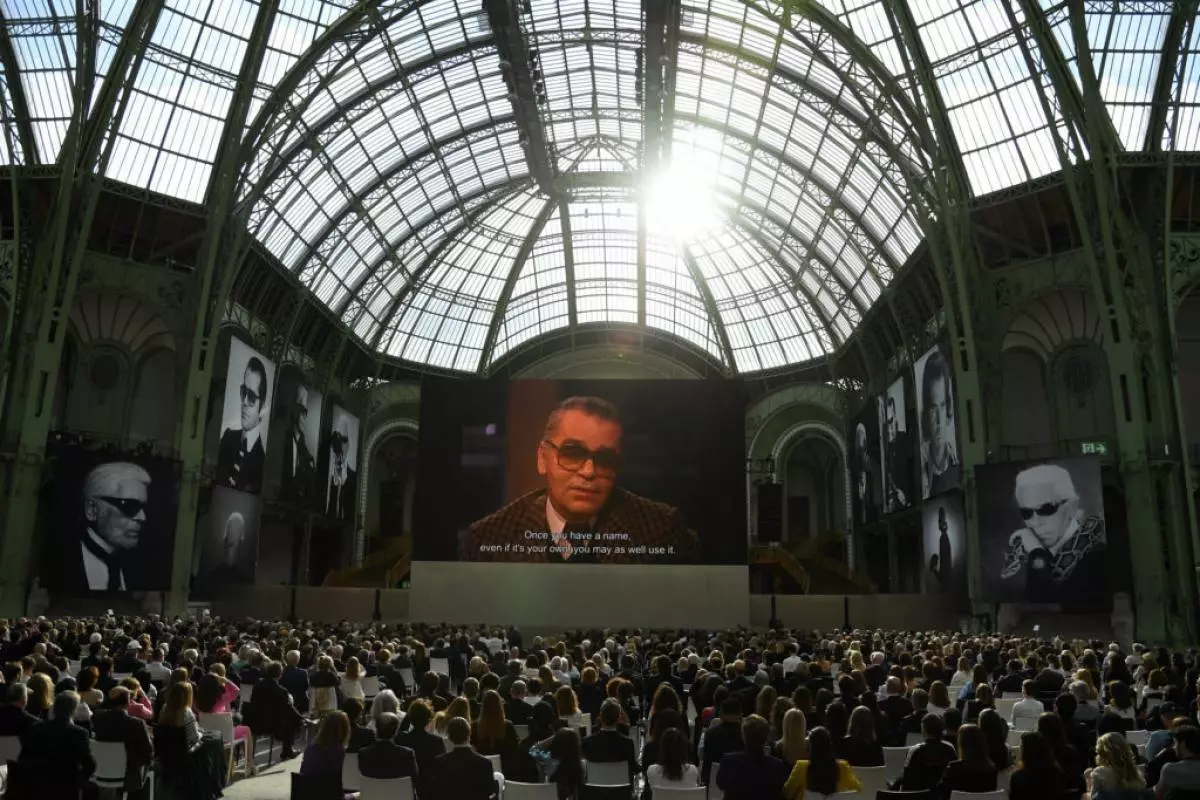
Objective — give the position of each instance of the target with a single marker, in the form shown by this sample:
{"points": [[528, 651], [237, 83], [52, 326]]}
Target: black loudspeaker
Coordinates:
{"points": [[770, 512]]}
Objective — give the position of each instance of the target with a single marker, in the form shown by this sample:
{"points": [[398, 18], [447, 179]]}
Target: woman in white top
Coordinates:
{"points": [[673, 770], [963, 676], [352, 680], [939, 699]]}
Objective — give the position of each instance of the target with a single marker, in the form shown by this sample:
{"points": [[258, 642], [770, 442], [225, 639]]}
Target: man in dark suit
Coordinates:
{"points": [[581, 514], [750, 774], [927, 761], [59, 748], [14, 719], [724, 738], [384, 758], [424, 745], [388, 673], [876, 674], [103, 555], [1011, 684], [896, 706], [516, 710], [295, 680], [462, 774], [272, 711], [241, 454], [912, 723], [299, 462], [608, 745], [114, 724], [512, 674]]}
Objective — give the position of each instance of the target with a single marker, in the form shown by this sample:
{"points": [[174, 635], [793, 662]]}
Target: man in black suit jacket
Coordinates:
{"points": [[272, 711], [1010, 684], [14, 719], [295, 680], [241, 454], [912, 723], [388, 673], [60, 748], [385, 759], [297, 479], [896, 706], [751, 774], [724, 738], [927, 761], [426, 746], [516, 710], [462, 774], [115, 725], [608, 745]]}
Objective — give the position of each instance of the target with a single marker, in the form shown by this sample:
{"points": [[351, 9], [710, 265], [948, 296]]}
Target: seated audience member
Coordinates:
{"points": [[351, 685], [750, 773], [426, 746], [177, 713], [85, 686], [41, 696], [566, 750], [995, 733], [860, 747], [516, 710], [325, 685], [295, 680], [324, 757], [492, 734], [384, 758], [973, 771], [115, 724], [792, 745], [608, 745], [1120, 703], [1116, 768], [663, 721], [1180, 776], [273, 712], [360, 735], [1073, 762], [1087, 708], [822, 772], [897, 707], [912, 723], [1038, 774], [14, 719], [385, 702], [1028, 707], [983, 699], [723, 737], [939, 699], [1172, 716], [59, 749], [927, 760], [215, 694], [672, 770], [461, 773]]}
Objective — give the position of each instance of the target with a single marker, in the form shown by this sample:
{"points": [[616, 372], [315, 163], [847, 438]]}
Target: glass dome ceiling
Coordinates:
{"points": [[740, 177]]}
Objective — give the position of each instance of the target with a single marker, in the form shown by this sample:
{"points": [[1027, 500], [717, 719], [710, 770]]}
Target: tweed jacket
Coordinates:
{"points": [[628, 530]]}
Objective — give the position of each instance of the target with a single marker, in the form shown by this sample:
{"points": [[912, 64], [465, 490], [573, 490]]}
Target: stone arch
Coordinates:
{"points": [[397, 426], [779, 451]]}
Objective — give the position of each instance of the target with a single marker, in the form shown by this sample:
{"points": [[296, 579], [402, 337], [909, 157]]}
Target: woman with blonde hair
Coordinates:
{"points": [[1115, 768], [764, 704], [352, 680], [566, 704], [459, 707], [324, 757], [41, 695], [177, 712], [793, 741]]}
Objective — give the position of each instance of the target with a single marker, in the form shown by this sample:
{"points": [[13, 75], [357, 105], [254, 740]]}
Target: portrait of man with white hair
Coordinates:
{"points": [[1058, 553], [343, 460], [110, 520], [230, 553]]}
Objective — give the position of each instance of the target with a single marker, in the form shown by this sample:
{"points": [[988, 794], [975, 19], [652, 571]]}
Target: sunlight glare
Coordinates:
{"points": [[681, 203]]}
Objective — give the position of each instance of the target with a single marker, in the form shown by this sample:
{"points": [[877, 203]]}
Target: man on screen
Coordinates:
{"points": [[241, 454], [581, 515], [339, 495], [299, 465], [115, 496], [233, 542], [864, 477], [895, 466], [1060, 553], [942, 562], [939, 457]]}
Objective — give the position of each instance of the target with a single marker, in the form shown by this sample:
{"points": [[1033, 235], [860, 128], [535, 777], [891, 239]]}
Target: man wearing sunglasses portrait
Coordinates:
{"points": [[581, 507], [242, 452], [1060, 552], [115, 496]]}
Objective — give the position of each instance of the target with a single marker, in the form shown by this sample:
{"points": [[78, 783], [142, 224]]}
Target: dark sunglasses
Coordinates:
{"points": [[128, 506], [249, 396], [1044, 510], [572, 457]]}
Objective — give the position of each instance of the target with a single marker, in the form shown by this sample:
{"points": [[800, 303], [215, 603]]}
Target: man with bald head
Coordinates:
{"points": [[114, 499], [1059, 554], [581, 515]]}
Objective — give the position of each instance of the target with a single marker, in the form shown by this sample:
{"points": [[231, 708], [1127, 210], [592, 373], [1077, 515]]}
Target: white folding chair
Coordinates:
{"points": [[352, 778], [246, 694], [120, 676], [223, 724], [10, 748], [607, 773], [667, 792], [522, 732], [1137, 738], [1014, 737], [996, 795], [111, 764], [406, 674], [913, 739], [1025, 724], [1003, 779], [390, 789], [321, 700], [1004, 706], [579, 720], [440, 665], [894, 759], [873, 779], [713, 791], [370, 687], [1153, 703], [515, 790], [495, 763]]}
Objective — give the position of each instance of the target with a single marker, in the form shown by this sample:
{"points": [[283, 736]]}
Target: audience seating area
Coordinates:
{"points": [[438, 713]]}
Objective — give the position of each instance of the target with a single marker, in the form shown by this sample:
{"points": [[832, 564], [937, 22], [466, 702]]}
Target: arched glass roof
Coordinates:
{"points": [[735, 176]]}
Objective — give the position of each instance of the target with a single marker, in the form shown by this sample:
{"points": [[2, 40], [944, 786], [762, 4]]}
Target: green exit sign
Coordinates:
{"points": [[1094, 448]]}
